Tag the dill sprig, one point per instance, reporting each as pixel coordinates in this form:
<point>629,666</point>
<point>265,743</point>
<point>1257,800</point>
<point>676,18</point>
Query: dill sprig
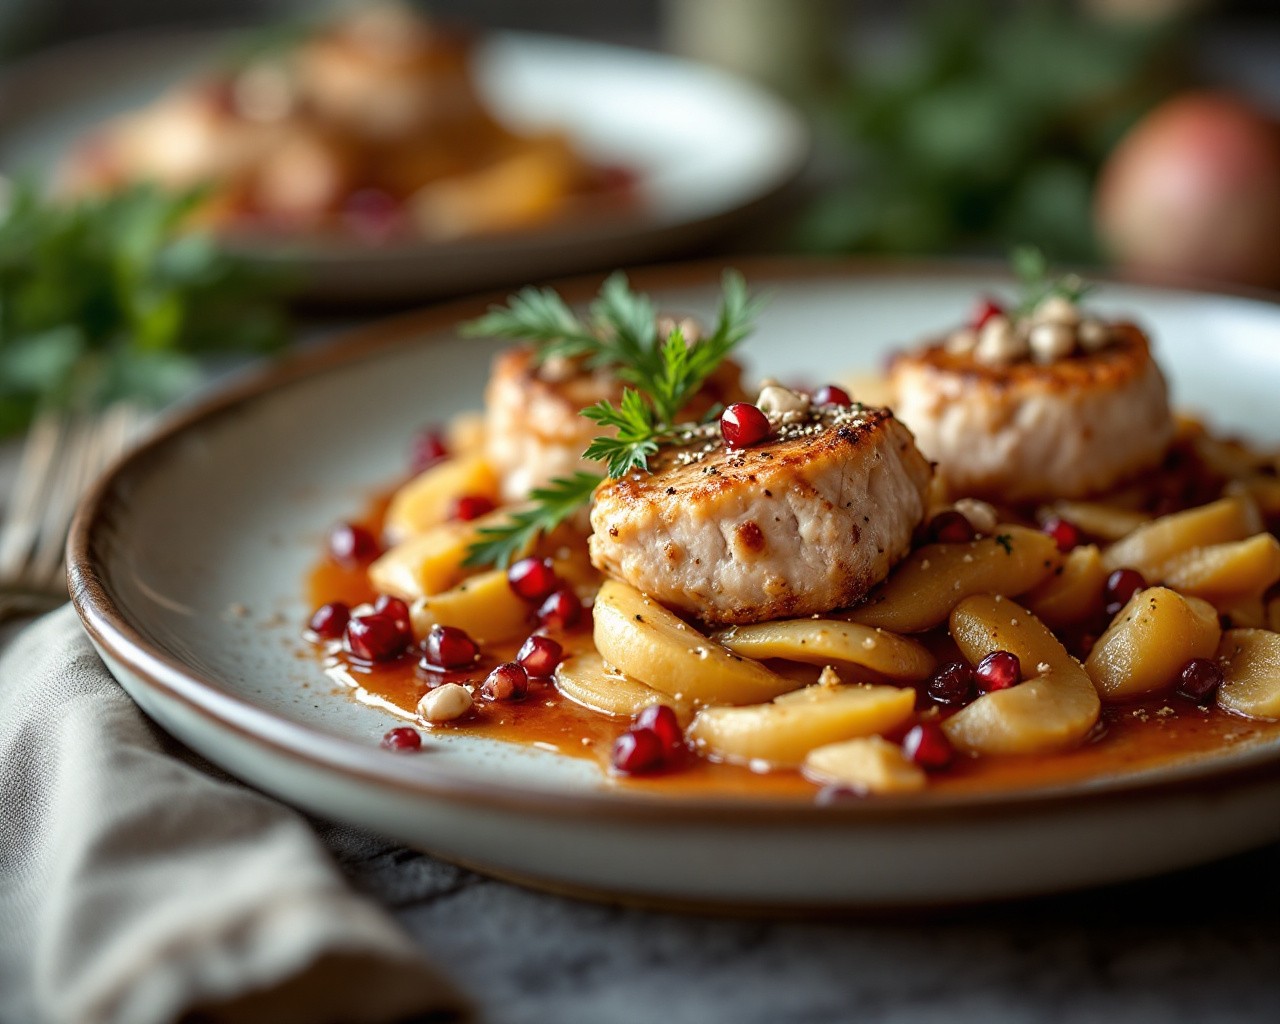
<point>661,376</point>
<point>550,506</point>
<point>1031,267</point>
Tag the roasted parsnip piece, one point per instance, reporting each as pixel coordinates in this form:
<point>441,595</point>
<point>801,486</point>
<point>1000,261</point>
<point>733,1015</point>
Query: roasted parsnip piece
<point>585,679</point>
<point>827,641</point>
<point>1149,547</point>
<point>783,732</point>
<point>1149,641</point>
<point>935,578</point>
<point>1074,592</point>
<point>484,605</point>
<point>1250,660</point>
<point>636,635</point>
<point>1226,573</point>
<point>427,499</point>
<point>1053,709</point>
<point>1107,522</point>
<point>869,765</point>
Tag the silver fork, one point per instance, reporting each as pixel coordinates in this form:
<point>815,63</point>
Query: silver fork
<point>62,456</point>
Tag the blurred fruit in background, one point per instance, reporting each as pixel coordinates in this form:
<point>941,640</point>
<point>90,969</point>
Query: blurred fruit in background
<point>1194,191</point>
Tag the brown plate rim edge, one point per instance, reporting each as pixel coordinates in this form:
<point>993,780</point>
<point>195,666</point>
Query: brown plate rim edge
<point>155,668</point>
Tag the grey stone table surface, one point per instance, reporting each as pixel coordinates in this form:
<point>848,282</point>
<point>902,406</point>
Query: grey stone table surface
<point>1201,945</point>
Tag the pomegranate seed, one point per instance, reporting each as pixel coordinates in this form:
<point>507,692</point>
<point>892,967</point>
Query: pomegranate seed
<point>402,738</point>
<point>927,745</point>
<point>377,637</point>
<point>534,579</point>
<point>449,648</point>
<point>999,670</point>
<point>662,722</point>
<point>742,425</point>
<point>472,506</point>
<point>986,309</point>
<point>392,607</point>
<point>539,656</point>
<point>351,545</point>
<point>330,620</point>
<point>372,214</point>
<point>506,682</point>
<point>1064,533</point>
<point>950,527</point>
<point>1199,679</point>
<point>952,684</point>
<point>428,450</point>
<point>1121,586</point>
<point>830,394</point>
<point>561,610</point>
<point>638,751</point>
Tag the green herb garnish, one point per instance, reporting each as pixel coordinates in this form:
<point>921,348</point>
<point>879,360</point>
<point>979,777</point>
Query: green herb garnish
<point>1032,270</point>
<point>1005,541</point>
<point>110,298</point>
<point>622,336</point>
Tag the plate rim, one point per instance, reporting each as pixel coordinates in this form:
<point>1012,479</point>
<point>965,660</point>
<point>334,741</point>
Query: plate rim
<point>153,667</point>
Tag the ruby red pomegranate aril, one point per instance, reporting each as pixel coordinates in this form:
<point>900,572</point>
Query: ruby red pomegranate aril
<point>1121,586</point>
<point>950,527</point>
<point>329,620</point>
<point>377,637</point>
<point>429,449</point>
<point>562,610</point>
<point>985,310</point>
<point>953,684</point>
<point>638,751</point>
<point>999,670</point>
<point>539,656</point>
<point>448,648</point>
<point>352,545</point>
<point>394,607</point>
<point>742,425</point>
<point>533,579</point>
<point>1199,679</point>
<point>472,506</point>
<point>506,682</point>
<point>831,394</point>
<point>1064,533</point>
<point>373,214</point>
<point>927,745</point>
<point>661,720</point>
<point>402,738</point>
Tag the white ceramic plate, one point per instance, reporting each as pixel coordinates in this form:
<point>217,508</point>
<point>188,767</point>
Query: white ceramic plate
<point>230,505</point>
<point>707,148</point>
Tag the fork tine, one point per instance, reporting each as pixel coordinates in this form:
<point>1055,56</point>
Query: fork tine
<point>30,493</point>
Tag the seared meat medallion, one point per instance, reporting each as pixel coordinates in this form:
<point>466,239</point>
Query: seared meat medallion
<point>807,521</point>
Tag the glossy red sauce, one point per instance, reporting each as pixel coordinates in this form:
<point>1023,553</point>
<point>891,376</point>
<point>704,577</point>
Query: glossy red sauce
<point>1129,737</point>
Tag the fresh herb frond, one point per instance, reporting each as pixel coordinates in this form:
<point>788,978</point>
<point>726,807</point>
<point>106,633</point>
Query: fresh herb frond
<point>1032,270</point>
<point>629,324</point>
<point>551,506</point>
<point>1005,540</point>
<point>540,316</point>
<point>636,437</point>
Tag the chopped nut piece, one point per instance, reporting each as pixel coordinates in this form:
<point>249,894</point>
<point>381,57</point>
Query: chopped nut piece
<point>1093,335</point>
<point>1051,341</point>
<point>999,343</point>
<point>1057,309</point>
<point>981,515</point>
<point>962,342</point>
<point>445,703</point>
<point>775,400</point>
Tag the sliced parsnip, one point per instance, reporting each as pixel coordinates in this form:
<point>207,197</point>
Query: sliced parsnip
<point>783,732</point>
<point>1107,522</point>
<point>1226,573</point>
<point>466,433</point>
<point>921,591</point>
<point>430,562</point>
<point>1053,709</point>
<point>1149,641</point>
<point>824,641</point>
<point>585,679</point>
<point>427,499</point>
<point>484,605</point>
<point>1074,592</point>
<point>638,636</point>
<point>869,765</point>
<point>1149,547</point>
<point>1250,660</point>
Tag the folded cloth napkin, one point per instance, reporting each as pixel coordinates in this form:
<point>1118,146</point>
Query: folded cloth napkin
<point>139,885</point>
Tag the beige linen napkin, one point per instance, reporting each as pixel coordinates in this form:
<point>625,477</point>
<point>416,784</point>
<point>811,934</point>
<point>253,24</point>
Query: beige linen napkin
<point>138,885</point>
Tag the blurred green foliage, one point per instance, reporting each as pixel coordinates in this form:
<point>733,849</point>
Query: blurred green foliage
<point>108,298</point>
<point>990,132</point>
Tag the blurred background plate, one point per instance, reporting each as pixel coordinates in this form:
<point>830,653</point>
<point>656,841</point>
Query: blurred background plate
<point>707,148</point>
